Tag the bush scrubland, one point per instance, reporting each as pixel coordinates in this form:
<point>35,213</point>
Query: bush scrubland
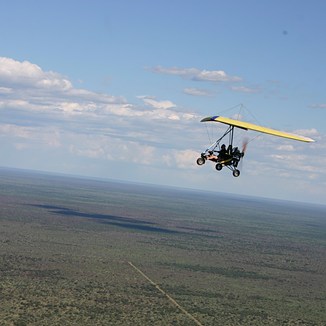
<point>65,244</point>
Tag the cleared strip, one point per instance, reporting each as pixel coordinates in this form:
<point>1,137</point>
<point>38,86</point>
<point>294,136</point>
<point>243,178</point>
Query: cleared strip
<point>166,294</point>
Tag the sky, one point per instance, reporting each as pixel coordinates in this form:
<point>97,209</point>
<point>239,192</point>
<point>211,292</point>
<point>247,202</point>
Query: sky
<point>117,89</point>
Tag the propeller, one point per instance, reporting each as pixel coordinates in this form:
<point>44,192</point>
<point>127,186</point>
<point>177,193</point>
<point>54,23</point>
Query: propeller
<point>244,145</point>
<point>244,148</point>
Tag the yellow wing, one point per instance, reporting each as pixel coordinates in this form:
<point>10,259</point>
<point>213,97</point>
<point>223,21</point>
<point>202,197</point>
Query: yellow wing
<point>251,126</point>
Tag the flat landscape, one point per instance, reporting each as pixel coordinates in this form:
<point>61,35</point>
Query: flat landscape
<point>86,252</point>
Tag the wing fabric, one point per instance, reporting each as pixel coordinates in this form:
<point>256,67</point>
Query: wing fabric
<point>251,126</point>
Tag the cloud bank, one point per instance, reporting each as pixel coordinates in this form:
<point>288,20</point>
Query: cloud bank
<point>50,124</point>
<point>42,109</point>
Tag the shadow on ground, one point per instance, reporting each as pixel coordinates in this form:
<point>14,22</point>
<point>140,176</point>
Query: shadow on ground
<point>119,221</point>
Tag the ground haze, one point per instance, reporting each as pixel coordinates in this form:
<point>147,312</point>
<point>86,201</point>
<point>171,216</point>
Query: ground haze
<point>68,247</point>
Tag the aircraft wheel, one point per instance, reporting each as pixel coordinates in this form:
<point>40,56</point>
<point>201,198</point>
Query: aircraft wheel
<point>236,173</point>
<point>218,166</point>
<point>200,161</point>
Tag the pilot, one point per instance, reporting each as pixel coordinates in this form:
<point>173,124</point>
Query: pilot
<point>222,152</point>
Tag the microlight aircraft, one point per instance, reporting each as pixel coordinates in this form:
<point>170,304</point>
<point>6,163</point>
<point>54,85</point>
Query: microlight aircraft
<point>230,156</point>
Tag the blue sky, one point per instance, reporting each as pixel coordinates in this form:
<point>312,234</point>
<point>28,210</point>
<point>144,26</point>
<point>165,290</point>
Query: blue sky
<point>116,89</point>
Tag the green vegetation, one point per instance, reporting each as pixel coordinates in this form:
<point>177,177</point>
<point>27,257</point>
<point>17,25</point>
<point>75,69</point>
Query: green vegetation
<point>65,244</point>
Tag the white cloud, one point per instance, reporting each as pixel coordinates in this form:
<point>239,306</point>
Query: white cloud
<point>288,157</point>
<point>185,158</point>
<point>25,73</point>
<point>117,149</point>
<point>16,103</point>
<point>197,75</point>
<point>14,130</point>
<point>164,110</point>
<point>28,88</point>
<point>76,108</point>
<point>308,132</point>
<point>92,151</point>
<point>183,72</point>
<point>5,90</point>
<point>215,76</point>
<point>318,106</point>
<point>197,92</point>
<point>244,89</point>
<point>23,137</point>
<point>190,116</point>
<point>54,114</point>
<point>286,148</point>
<point>296,162</point>
<point>158,104</point>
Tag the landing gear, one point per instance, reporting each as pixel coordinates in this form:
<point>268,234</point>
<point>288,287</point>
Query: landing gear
<point>200,161</point>
<point>218,166</point>
<point>236,173</point>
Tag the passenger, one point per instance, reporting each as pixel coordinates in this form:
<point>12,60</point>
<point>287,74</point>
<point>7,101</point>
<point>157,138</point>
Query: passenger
<point>211,156</point>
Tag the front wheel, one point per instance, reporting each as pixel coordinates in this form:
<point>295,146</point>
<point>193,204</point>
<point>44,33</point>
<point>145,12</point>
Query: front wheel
<point>218,166</point>
<point>200,161</point>
<point>236,173</point>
